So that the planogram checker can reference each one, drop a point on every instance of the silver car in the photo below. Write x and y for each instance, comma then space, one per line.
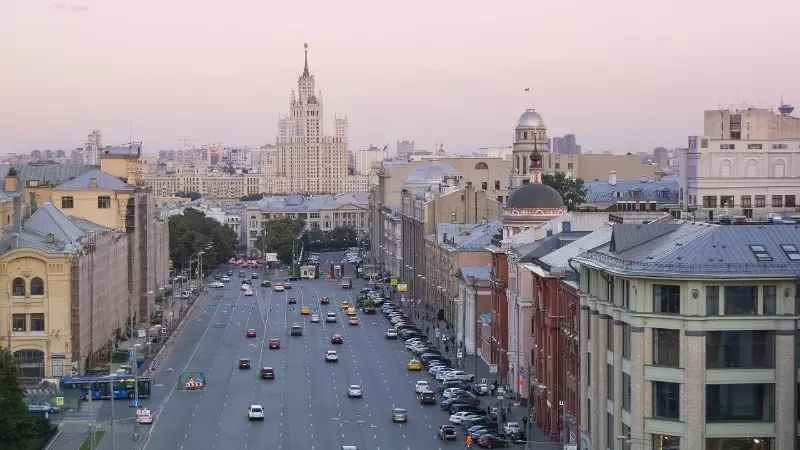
355, 391
399, 415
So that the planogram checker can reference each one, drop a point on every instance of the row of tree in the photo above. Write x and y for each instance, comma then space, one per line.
193, 232
285, 235
19, 429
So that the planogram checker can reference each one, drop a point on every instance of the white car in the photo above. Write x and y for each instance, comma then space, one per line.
245, 286
441, 375
315, 318
331, 356
144, 416
248, 293
330, 318
278, 288
421, 386
451, 391
459, 375
459, 417
255, 412
434, 370
512, 428
226, 279
217, 284
354, 391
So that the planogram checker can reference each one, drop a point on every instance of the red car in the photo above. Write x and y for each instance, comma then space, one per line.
274, 343
337, 339
251, 333
244, 363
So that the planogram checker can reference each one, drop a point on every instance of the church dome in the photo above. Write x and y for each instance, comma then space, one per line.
535, 196
530, 118
429, 173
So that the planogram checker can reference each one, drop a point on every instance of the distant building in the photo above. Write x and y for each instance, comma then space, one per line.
405, 149
94, 142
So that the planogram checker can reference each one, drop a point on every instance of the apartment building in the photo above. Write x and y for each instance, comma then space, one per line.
636, 195
688, 337
206, 181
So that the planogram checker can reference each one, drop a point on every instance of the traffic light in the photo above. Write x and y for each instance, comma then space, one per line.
170, 264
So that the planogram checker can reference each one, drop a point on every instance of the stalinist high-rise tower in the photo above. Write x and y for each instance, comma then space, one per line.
307, 161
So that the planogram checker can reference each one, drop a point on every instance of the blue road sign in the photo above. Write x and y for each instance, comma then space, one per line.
131, 355
213, 306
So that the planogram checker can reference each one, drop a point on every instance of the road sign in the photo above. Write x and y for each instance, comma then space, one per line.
213, 306
493, 368
171, 313
131, 355
460, 354
59, 401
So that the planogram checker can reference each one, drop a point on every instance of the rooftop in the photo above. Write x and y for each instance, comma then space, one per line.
603, 193
41, 174
299, 203
477, 272
49, 230
469, 237
95, 179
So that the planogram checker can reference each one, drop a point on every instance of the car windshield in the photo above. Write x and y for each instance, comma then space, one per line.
244, 360
355, 386
399, 411
256, 409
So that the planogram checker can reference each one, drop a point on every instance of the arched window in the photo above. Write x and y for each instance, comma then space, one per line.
725, 169
481, 166
779, 169
30, 362
37, 286
751, 169
18, 287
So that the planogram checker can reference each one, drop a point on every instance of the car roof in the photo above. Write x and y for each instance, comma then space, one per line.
399, 410
256, 406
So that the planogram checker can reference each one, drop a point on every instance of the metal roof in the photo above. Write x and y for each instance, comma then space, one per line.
44, 174
474, 237
560, 258
95, 179
49, 219
603, 193
299, 203
478, 272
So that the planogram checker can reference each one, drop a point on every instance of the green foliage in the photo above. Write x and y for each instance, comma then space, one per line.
193, 232
17, 425
339, 237
572, 190
279, 237
251, 197
190, 195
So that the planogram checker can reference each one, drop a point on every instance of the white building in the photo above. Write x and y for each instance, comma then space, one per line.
308, 161
750, 167
368, 160
94, 142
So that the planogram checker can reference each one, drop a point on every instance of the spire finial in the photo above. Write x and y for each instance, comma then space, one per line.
305, 68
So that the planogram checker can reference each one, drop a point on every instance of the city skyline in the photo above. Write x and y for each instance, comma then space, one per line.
130, 85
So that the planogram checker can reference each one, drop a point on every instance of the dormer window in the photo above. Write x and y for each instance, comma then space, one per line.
92, 183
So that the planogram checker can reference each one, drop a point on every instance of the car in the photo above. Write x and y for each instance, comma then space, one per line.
414, 365
247, 282
266, 283
337, 339
452, 392
351, 311
305, 310
421, 386
352, 320
324, 300
287, 285
458, 375
447, 433
248, 293
292, 300
244, 363
315, 318
245, 287
511, 428
345, 305
217, 284
230, 273
251, 332
255, 412
492, 441
355, 390
274, 344
391, 334
278, 287
267, 373
399, 415
226, 279
144, 416
459, 417
331, 356
330, 318
241, 274
481, 387
297, 330
427, 398
254, 276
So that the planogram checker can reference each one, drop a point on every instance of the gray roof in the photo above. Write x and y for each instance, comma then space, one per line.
430, 173
130, 150
475, 236
560, 257
103, 181
602, 193
50, 175
48, 219
679, 249
299, 203
550, 244
479, 272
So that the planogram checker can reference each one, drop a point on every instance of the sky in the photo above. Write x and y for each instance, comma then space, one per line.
622, 75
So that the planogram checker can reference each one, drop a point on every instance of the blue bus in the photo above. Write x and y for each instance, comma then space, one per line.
100, 386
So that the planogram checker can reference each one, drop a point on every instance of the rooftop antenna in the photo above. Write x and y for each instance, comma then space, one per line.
784, 109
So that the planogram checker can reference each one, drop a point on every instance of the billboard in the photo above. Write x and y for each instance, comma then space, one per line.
271, 257
402, 287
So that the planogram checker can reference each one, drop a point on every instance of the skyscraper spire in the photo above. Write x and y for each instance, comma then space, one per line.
305, 69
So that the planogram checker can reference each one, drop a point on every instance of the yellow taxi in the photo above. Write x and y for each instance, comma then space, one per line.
414, 365
345, 305
305, 310
351, 311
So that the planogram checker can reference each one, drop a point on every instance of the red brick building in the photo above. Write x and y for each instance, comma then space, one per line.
556, 356
494, 342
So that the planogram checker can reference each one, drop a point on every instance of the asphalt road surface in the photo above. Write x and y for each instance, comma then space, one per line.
306, 405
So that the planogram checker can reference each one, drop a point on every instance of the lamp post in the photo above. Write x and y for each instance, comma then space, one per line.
528, 424
135, 402
564, 429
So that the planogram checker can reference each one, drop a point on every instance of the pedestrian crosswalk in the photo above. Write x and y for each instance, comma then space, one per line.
88, 411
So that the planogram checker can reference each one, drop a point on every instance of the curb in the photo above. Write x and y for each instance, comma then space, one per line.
176, 335
54, 439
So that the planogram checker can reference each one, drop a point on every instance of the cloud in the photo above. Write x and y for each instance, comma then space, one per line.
69, 8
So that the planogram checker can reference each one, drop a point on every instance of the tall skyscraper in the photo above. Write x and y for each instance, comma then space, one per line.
308, 161
94, 142
566, 145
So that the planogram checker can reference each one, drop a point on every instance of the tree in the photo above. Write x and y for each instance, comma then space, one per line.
190, 195
17, 425
572, 190
341, 237
193, 232
251, 197
279, 236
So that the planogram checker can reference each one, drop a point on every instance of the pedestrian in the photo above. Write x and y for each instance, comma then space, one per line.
488, 410
525, 422
427, 330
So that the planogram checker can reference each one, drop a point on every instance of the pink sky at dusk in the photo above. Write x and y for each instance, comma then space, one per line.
621, 75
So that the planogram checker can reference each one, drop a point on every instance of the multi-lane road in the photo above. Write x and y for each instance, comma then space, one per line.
306, 405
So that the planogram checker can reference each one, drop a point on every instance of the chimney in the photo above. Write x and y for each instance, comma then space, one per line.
11, 180
17, 228
612, 178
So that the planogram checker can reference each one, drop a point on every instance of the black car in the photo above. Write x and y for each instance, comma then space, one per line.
492, 441
254, 276
297, 330
247, 282
469, 423
293, 279
217, 277
466, 399
468, 407
427, 398
517, 437
292, 301
266, 283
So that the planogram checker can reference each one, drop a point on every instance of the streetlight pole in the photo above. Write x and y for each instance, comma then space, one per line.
136, 389
564, 430
529, 420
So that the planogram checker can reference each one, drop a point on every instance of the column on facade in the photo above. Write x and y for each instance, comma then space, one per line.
470, 339
602, 379
598, 349
618, 386
641, 395
584, 370
693, 390
785, 389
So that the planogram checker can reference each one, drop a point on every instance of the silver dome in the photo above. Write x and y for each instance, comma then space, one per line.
530, 118
430, 173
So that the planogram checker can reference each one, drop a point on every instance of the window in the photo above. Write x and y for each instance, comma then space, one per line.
566, 226
709, 201
712, 300
67, 203
664, 442
104, 202
760, 253
753, 349
484, 185
754, 146
626, 294
666, 400
610, 382
18, 322
747, 201
497, 185
626, 340
18, 287
726, 201
761, 201
37, 286
610, 334
769, 298
740, 402
610, 438
791, 252
37, 322
569, 166
589, 416
777, 201
666, 347
741, 300
626, 392
791, 201
666, 299
589, 372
